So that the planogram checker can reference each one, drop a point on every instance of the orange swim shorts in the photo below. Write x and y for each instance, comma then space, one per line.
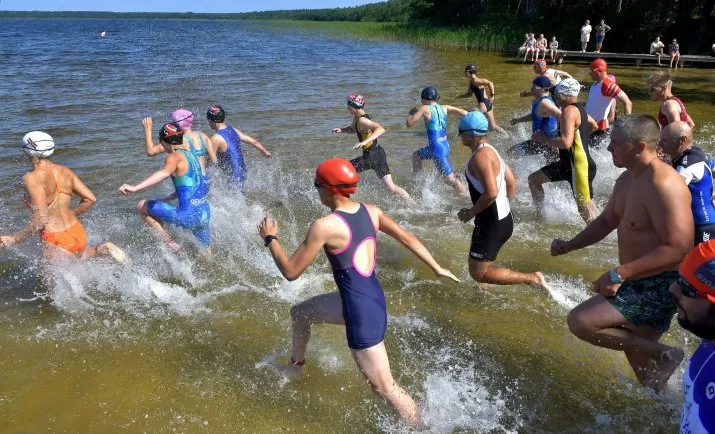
72, 239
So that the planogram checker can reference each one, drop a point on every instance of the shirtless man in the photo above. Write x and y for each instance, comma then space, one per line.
437, 149
541, 46
50, 188
676, 140
348, 237
227, 142
554, 75
373, 155
650, 208
575, 164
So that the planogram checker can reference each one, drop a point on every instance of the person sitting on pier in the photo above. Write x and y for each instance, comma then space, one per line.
530, 48
522, 48
553, 48
674, 49
541, 46
656, 49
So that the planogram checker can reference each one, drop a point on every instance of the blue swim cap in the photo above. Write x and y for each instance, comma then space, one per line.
429, 93
474, 123
542, 82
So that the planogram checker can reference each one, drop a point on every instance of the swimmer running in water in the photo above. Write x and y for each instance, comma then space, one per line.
491, 185
544, 117
478, 87
373, 155
437, 149
183, 167
347, 236
50, 188
196, 141
227, 142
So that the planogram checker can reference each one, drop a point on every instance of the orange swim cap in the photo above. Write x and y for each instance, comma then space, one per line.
540, 65
599, 65
338, 176
698, 269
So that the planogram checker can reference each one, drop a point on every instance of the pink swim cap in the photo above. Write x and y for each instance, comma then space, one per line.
182, 117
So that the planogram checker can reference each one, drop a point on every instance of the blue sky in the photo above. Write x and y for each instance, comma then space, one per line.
172, 5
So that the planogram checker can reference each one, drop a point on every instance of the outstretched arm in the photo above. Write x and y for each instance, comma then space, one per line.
452, 109
253, 142
151, 149
291, 268
172, 160
394, 230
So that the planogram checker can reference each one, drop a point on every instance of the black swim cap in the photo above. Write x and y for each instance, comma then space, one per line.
172, 134
471, 68
215, 113
429, 93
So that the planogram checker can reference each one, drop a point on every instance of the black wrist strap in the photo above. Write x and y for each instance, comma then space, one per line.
269, 239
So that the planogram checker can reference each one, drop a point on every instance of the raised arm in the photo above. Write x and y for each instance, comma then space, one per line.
394, 230
151, 149
253, 142
672, 218
563, 74
456, 110
292, 267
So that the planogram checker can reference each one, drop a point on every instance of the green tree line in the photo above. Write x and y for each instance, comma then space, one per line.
634, 23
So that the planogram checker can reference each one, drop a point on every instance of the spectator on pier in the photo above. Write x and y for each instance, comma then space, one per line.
530, 48
522, 48
541, 45
585, 35
601, 30
674, 49
656, 49
553, 48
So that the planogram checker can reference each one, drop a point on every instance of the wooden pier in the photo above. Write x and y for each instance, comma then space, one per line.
637, 58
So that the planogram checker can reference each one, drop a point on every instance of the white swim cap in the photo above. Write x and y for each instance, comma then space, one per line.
38, 144
567, 87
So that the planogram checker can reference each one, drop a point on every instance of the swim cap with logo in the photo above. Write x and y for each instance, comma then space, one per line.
474, 124
338, 176
542, 82
38, 144
183, 118
215, 113
567, 87
429, 93
172, 134
540, 65
471, 68
355, 100
599, 65
698, 269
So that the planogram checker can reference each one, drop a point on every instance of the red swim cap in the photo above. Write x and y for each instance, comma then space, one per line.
356, 100
698, 269
599, 65
540, 65
338, 176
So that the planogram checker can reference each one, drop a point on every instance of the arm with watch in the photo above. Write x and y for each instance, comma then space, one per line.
292, 267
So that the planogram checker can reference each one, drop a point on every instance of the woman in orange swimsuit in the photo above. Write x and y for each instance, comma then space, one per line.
50, 188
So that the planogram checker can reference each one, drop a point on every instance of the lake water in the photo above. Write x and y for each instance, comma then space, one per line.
173, 343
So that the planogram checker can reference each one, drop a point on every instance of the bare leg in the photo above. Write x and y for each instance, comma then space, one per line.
109, 249
671, 60
387, 181
416, 162
596, 321
658, 55
483, 272
526, 53
490, 117
375, 367
321, 309
536, 185
456, 184
588, 211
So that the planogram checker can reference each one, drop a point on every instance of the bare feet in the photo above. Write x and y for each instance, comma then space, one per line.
173, 246
540, 282
115, 252
669, 361
291, 371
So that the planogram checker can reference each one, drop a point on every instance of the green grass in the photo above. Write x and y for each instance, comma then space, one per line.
478, 38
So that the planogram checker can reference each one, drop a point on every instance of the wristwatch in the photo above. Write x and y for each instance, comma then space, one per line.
615, 277
268, 239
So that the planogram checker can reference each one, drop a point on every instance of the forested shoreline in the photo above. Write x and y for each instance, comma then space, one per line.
492, 24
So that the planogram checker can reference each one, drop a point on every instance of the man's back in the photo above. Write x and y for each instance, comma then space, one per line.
651, 206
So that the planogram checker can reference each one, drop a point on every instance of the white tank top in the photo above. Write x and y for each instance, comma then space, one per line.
502, 201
